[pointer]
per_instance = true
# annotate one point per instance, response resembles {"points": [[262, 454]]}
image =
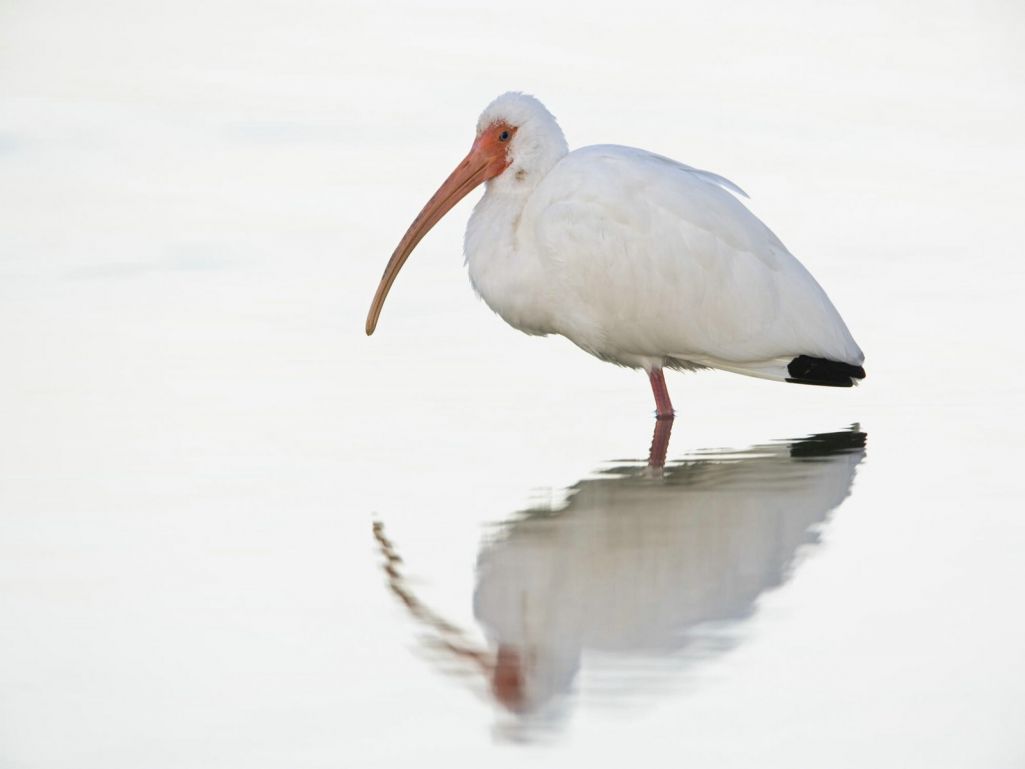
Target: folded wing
{"points": [[653, 258]]}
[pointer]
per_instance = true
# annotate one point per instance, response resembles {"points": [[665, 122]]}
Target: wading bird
{"points": [[635, 258]]}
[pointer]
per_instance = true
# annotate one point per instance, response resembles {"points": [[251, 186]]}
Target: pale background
{"points": [[196, 202]]}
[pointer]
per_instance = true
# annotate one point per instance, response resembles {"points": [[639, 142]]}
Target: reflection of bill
{"points": [[634, 566]]}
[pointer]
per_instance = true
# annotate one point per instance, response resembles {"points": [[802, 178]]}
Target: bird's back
{"points": [[650, 260]]}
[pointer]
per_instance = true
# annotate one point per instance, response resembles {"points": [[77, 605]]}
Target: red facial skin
{"points": [[507, 679]]}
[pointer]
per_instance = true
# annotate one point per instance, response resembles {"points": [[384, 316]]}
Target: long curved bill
{"points": [[477, 167]]}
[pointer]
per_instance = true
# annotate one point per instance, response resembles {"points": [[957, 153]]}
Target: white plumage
{"points": [[637, 259]]}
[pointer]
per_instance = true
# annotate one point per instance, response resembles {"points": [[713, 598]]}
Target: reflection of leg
{"points": [[660, 442], [663, 406]]}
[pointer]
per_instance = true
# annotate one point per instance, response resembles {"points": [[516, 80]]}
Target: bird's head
{"points": [[517, 143], [535, 143]]}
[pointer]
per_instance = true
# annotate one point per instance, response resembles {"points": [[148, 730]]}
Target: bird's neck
{"points": [[502, 262]]}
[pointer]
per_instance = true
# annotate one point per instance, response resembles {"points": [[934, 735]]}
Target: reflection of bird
{"points": [[635, 258], [634, 566]]}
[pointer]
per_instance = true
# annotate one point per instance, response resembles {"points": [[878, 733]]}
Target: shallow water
{"points": [[234, 531]]}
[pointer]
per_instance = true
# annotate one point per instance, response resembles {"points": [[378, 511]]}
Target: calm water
{"points": [[641, 572], [235, 532]]}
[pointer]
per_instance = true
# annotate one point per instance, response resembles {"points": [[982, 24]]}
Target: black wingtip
{"points": [[804, 369], [828, 444]]}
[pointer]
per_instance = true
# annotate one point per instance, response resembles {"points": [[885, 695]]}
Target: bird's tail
{"points": [[804, 369]]}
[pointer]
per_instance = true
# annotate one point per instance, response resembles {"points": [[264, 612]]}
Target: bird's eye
{"points": [[504, 136]]}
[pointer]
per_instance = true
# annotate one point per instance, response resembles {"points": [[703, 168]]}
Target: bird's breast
{"points": [[504, 268]]}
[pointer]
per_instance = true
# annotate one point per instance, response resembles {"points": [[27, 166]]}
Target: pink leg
{"points": [[663, 406], [660, 444]]}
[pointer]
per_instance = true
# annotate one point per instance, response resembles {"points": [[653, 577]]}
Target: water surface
{"points": [[196, 203]]}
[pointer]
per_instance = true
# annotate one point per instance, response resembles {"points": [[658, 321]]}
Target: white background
{"points": [[196, 202]]}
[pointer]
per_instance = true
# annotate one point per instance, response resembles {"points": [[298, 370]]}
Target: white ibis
{"points": [[635, 258]]}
